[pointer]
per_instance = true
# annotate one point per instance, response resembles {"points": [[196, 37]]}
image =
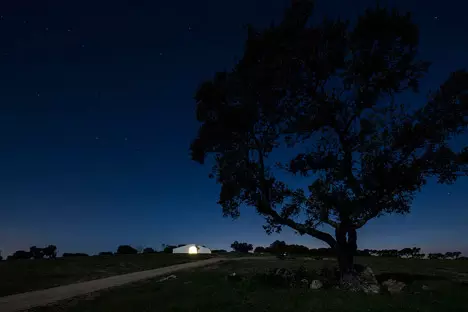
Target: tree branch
{"points": [[265, 208]]}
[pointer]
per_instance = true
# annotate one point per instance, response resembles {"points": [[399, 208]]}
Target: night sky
{"points": [[97, 114]]}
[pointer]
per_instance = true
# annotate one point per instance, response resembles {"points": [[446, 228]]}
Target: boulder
{"points": [[316, 284], [394, 287]]}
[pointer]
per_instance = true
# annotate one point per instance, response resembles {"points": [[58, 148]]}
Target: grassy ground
{"points": [[207, 289], [25, 275]]}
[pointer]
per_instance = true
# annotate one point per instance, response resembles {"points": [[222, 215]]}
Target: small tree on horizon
{"points": [[241, 247], [328, 92], [126, 250]]}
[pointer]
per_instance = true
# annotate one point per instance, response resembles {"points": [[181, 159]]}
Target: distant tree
{"points": [[50, 251], [169, 248], [241, 247], [106, 253], [259, 249], [436, 256], [37, 253], [126, 250], [278, 246], [405, 252], [148, 250], [463, 258], [328, 91], [452, 255], [77, 254]]}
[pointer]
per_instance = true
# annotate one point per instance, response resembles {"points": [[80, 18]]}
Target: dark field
{"points": [[26, 275], [207, 289]]}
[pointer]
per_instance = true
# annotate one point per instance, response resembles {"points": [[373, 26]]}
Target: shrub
{"points": [[148, 250]]}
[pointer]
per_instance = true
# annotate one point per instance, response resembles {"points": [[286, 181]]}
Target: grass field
{"points": [[26, 275], [207, 289]]}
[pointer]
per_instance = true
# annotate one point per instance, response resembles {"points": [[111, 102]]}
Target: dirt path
{"points": [[24, 301]]}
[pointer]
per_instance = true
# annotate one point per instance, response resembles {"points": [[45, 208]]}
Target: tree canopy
{"points": [[329, 91]]}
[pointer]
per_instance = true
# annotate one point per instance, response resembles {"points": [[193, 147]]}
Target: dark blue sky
{"points": [[97, 113]]}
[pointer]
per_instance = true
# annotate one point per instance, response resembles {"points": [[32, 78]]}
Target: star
{"points": [[190, 28], [449, 193], [436, 17], [125, 139], [82, 45], [38, 94], [97, 138], [47, 29], [69, 30], [160, 53]]}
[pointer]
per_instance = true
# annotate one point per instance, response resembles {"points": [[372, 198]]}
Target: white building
{"points": [[191, 249]]}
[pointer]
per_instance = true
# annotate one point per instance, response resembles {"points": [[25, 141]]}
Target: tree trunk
{"points": [[346, 246]]}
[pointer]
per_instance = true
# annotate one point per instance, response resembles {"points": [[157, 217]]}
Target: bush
{"points": [[126, 250], [148, 250], [106, 253], [78, 254]]}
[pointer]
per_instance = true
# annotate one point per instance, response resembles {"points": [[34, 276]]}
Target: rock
{"points": [[371, 289], [394, 287], [167, 278], [316, 284], [367, 275]]}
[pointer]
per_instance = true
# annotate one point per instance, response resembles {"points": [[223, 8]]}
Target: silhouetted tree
{"points": [[436, 256], [126, 250], [148, 250], [106, 253], [259, 249], [37, 253], [241, 247], [328, 91], [50, 251], [169, 248], [452, 255]]}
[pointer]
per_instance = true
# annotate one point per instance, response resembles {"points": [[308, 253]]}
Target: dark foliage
{"points": [[328, 91], [50, 251], [169, 248], [148, 250], [78, 254], [37, 253], [126, 250], [241, 247], [106, 253], [259, 249]]}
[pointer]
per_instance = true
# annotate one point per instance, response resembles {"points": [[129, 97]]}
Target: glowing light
{"points": [[193, 250]]}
